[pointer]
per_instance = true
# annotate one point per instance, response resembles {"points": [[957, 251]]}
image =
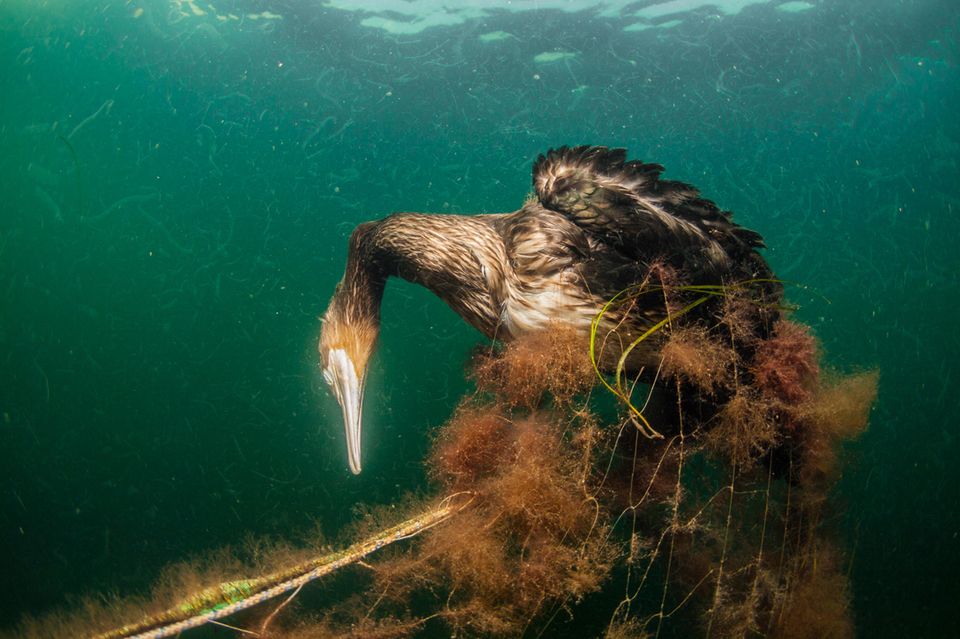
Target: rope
{"points": [[231, 597]]}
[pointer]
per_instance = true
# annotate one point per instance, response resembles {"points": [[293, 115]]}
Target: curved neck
{"points": [[461, 259], [360, 292]]}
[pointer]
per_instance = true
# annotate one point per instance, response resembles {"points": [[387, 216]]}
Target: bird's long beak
{"points": [[342, 376]]}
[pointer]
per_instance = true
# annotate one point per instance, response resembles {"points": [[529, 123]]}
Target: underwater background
{"points": [[178, 181]]}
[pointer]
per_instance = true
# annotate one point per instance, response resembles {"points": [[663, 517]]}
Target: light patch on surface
{"points": [[726, 7], [415, 26], [194, 9], [553, 56], [407, 17], [794, 7], [643, 26], [264, 15], [494, 36], [197, 8], [669, 24], [403, 17]]}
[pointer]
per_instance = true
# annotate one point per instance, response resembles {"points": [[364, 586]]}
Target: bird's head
{"points": [[346, 344]]}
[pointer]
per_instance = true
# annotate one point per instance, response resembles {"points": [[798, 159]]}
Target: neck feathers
{"points": [[352, 321], [359, 293], [461, 259]]}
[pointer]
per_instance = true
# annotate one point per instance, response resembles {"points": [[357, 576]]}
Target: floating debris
{"points": [[495, 36], [548, 57]]}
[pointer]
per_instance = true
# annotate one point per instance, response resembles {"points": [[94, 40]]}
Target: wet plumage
{"points": [[595, 225]]}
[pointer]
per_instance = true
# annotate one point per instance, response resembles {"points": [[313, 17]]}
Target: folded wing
{"points": [[626, 206]]}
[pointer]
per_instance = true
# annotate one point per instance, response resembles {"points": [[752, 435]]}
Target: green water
{"points": [[177, 183]]}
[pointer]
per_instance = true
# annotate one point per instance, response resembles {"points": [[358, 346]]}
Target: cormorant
{"points": [[595, 226]]}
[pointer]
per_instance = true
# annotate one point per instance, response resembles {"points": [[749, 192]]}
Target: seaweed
{"points": [[713, 522]]}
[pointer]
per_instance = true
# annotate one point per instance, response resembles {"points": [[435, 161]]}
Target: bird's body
{"points": [[595, 227]]}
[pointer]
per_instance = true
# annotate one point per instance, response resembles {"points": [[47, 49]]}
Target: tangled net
{"points": [[556, 506]]}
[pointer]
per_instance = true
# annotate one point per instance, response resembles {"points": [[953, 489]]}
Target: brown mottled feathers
{"points": [[598, 223]]}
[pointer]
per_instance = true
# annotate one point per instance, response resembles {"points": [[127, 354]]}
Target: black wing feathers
{"points": [[626, 205]]}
